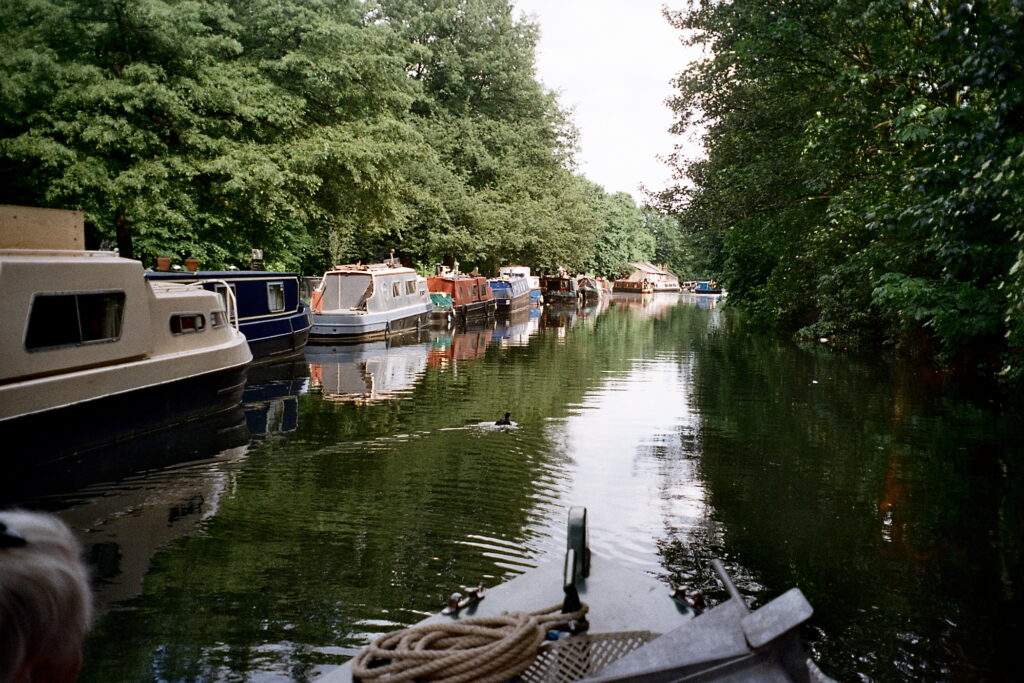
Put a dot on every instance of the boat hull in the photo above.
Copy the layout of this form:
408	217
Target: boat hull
475	310
275	340
333	328
49	436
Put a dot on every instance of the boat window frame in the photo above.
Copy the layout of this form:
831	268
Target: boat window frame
277	284
396	289
220	288
186	314
81	341
410	287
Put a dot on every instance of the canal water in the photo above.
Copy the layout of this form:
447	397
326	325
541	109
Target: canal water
357	488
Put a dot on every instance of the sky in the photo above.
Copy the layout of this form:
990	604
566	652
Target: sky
612	62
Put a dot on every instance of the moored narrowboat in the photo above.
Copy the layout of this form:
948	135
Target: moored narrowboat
271	314
356	303
512	294
93	352
590	289
633	286
513	272
559	289
471	297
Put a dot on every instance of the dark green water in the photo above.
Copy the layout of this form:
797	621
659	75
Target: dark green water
362	487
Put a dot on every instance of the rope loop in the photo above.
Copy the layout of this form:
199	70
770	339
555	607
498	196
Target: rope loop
486	649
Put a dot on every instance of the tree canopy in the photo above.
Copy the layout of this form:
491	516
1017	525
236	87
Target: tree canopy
319	131
861	176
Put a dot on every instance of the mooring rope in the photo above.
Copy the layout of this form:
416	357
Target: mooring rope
487	649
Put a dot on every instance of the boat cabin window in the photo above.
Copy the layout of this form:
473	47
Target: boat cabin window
217	319
222	290
346	290
396	289
410	286
275	296
74	319
186	323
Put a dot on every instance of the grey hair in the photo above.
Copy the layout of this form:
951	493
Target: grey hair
45	600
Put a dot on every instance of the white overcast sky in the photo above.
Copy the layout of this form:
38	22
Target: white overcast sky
612	62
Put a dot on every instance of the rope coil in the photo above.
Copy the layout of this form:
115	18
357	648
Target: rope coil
486	649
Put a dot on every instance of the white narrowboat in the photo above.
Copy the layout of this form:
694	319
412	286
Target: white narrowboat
91	352
356	303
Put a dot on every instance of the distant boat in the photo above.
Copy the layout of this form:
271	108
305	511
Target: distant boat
591	290
271	314
94	353
706	287
512	272
510	294
560	289
634	286
357	303
471	296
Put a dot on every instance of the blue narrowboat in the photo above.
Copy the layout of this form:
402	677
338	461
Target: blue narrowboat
510	295
271	315
706	287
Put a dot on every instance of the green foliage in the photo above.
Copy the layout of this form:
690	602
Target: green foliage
860	175
317	130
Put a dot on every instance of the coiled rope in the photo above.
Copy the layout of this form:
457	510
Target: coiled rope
487	649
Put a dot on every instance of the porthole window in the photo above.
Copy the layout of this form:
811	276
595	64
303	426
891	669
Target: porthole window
187	323
58	320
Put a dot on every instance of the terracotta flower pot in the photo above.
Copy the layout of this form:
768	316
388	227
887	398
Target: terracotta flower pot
192	264
163	263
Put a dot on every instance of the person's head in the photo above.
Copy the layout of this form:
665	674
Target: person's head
45	602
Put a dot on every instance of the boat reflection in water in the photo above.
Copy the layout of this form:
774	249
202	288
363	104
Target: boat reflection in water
701	300
646	306
517	328
271	397
460	344
370	372
126	502
61	484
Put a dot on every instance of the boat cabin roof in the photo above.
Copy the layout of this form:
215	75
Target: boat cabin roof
371	268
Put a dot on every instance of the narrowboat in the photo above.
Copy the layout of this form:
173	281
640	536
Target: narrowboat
512	272
559	289
356	303
706	287
442	313
581	617
511	294
271	313
633	286
93	352
590	289
471	297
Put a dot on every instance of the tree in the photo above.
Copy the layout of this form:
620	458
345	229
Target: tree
855	184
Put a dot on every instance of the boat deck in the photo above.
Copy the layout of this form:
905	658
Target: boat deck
619	600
